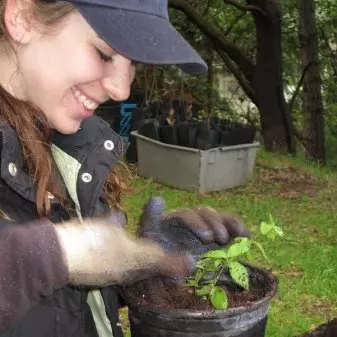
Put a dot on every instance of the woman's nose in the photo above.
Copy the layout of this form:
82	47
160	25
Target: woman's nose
118	78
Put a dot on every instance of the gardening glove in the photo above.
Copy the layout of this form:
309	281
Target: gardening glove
196	230
193	230
99	252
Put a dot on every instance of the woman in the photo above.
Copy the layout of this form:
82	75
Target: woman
62	243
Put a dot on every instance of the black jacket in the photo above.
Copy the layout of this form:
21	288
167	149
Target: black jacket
96	149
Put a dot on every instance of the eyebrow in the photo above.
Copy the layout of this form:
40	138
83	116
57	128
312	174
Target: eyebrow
102	40
113	50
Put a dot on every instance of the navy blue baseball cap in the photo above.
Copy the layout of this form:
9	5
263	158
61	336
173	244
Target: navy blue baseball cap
140	30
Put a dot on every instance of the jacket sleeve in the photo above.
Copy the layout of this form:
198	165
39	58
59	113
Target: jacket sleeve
31	266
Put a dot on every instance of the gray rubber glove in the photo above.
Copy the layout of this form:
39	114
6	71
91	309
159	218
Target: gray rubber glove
193	230
99	252
209	225
196	230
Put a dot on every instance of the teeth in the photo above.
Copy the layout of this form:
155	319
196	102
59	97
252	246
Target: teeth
87	103
82	98
77	93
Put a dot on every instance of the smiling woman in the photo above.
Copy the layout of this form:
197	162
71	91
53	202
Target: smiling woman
60	92
63	247
68	63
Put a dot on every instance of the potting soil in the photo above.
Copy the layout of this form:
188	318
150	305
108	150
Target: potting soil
162	293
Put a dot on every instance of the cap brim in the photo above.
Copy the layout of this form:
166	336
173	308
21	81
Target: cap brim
142	37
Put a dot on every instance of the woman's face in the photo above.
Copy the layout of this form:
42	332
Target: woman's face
68	73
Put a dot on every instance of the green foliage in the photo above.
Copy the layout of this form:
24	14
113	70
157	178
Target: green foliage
218	298
270	229
235	26
239	274
214	263
238	27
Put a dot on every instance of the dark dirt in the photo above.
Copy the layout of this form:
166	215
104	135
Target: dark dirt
326	330
164	294
293	182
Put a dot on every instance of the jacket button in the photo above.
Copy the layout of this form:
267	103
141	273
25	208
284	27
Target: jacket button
86	177
51	196
12	169
109	145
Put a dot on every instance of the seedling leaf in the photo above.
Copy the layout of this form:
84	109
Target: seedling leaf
218	254
218	298
192	283
270	229
204	290
265	227
278	230
198	276
239	274
240	247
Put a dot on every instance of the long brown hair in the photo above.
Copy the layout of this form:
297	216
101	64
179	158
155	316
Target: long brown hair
30	123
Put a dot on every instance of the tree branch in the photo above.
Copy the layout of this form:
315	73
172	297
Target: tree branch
298	87
216	37
245	85
245	7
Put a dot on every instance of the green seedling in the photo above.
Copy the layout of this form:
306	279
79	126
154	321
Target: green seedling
212	264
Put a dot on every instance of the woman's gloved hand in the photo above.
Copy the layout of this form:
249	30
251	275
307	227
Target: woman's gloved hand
99	252
193	230
196	230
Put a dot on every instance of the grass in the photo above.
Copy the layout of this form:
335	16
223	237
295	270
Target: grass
302	198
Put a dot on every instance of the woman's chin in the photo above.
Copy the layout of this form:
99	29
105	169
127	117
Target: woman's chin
68	128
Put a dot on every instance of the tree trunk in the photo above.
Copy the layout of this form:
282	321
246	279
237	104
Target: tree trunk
262	81
312	96
275	118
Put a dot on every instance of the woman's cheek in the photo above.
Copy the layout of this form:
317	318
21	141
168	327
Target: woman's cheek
132	73
88	67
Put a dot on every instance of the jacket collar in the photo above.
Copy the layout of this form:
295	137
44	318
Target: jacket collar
93	131
95	146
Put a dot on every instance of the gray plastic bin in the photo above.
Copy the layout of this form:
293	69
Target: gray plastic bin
192	169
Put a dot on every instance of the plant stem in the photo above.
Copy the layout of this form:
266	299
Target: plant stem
217	277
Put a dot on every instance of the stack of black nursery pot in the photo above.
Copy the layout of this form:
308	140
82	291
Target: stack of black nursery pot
176	147
176	123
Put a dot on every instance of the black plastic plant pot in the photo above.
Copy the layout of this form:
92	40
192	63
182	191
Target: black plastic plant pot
230	137
249	321
149	128
110	112
168	134
186	135
236	135
245	133
206	138
180	108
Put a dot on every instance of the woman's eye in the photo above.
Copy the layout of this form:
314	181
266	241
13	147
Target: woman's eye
104	57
